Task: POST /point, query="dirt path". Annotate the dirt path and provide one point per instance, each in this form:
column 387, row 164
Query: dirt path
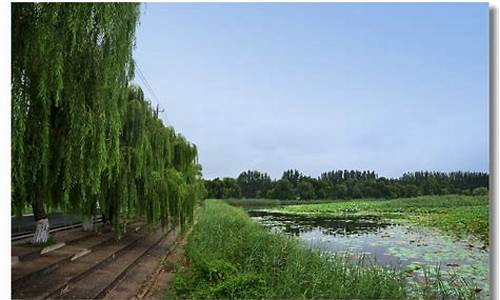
column 157, row 286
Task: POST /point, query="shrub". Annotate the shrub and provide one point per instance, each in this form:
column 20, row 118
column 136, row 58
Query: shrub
column 480, row 191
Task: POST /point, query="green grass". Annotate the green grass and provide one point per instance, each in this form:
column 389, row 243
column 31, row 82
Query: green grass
column 233, row 257
column 458, row 214
column 269, row 202
column 253, row 202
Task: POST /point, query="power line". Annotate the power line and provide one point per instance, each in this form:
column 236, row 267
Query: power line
column 146, row 82
column 148, row 86
column 151, row 91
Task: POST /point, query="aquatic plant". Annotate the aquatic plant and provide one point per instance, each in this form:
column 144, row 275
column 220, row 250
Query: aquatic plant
column 457, row 214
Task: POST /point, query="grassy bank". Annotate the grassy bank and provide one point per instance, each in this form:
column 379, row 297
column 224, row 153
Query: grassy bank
column 270, row 202
column 232, row 256
column 453, row 213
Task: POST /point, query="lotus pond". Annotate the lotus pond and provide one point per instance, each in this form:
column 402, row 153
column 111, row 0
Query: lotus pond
column 419, row 251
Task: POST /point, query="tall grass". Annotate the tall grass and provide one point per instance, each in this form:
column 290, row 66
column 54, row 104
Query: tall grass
column 233, row 257
column 270, row 202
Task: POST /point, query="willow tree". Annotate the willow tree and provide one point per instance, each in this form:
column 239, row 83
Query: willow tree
column 121, row 188
column 71, row 64
column 159, row 173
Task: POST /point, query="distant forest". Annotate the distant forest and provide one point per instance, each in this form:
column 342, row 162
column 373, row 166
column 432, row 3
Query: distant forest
column 346, row 184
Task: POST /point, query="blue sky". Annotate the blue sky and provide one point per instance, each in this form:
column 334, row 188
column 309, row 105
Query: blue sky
column 317, row 87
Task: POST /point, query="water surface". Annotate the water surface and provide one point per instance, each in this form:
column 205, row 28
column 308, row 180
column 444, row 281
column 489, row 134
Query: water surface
column 394, row 244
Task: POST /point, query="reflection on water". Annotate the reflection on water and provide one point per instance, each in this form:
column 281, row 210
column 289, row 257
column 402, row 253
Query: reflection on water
column 396, row 245
column 297, row 225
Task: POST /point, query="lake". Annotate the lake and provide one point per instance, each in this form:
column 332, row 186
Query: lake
column 393, row 244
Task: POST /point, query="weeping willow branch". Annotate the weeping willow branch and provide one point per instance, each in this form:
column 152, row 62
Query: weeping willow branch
column 81, row 136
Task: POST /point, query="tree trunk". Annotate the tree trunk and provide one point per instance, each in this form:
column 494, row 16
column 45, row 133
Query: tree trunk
column 42, row 222
column 88, row 223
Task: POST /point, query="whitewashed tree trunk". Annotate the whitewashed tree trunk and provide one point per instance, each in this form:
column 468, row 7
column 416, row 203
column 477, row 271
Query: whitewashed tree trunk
column 42, row 232
column 88, row 223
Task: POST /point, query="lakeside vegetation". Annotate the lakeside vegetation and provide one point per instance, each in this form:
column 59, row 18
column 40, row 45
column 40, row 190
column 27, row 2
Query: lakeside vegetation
column 230, row 256
column 269, row 202
column 234, row 257
column 458, row 214
column 87, row 141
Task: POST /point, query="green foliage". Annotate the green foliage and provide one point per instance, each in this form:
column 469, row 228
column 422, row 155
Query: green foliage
column 283, row 190
column 233, row 257
column 82, row 137
column 306, row 190
column 253, row 182
column 293, row 176
column 70, row 66
column 159, row 177
column 224, row 189
column 349, row 184
column 480, row 191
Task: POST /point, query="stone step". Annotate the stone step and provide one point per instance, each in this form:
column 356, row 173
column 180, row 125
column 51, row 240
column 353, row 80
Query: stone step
column 44, row 264
column 26, row 251
column 41, row 287
column 130, row 285
column 96, row 284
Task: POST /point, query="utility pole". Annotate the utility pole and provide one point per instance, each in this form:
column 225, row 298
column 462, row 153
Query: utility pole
column 157, row 110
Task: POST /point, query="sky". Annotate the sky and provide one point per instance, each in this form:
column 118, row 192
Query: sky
column 316, row 87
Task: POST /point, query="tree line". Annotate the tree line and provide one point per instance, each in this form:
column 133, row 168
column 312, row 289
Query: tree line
column 346, row 184
column 83, row 137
